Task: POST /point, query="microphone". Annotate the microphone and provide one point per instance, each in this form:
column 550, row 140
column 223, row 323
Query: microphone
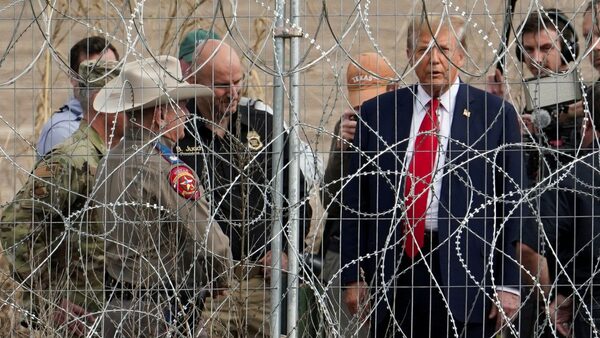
column 541, row 118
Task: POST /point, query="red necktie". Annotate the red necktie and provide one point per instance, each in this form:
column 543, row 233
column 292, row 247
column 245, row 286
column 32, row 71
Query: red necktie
column 418, row 179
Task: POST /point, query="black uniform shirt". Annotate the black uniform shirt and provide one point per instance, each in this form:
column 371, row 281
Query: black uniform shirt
column 236, row 171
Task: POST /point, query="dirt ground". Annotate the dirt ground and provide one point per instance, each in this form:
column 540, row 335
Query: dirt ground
column 36, row 41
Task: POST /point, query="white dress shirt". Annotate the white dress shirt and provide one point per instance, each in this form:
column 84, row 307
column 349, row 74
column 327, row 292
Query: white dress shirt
column 445, row 109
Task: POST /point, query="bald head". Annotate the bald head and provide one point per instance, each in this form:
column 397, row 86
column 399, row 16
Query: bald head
column 213, row 56
column 218, row 67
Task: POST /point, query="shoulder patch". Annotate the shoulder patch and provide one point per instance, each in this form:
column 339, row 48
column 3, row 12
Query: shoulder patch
column 46, row 170
column 182, row 179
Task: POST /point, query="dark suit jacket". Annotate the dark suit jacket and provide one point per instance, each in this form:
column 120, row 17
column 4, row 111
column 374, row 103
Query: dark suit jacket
column 470, row 224
column 570, row 213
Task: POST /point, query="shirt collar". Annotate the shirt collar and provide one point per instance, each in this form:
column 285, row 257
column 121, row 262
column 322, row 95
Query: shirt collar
column 93, row 136
column 141, row 134
column 75, row 106
column 447, row 99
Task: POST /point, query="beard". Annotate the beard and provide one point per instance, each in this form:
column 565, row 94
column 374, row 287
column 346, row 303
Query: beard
column 218, row 108
column 225, row 106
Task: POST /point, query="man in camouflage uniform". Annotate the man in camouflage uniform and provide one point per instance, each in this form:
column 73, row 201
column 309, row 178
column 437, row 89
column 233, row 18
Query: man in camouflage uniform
column 48, row 229
column 64, row 122
column 162, row 246
column 11, row 300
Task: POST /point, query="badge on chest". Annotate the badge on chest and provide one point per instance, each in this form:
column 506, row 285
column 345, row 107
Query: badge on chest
column 254, row 142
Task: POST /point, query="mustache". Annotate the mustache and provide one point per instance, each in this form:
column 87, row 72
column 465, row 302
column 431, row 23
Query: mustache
column 227, row 102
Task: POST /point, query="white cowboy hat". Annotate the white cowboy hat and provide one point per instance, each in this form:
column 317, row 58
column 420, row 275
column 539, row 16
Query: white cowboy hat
column 146, row 83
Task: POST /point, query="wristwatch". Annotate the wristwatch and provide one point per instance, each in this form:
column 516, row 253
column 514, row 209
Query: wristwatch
column 563, row 109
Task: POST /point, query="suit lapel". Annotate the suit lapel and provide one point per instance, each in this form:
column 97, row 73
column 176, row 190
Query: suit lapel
column 459, row 136
column 398, row 132
column 404, row 114
column 459, row 131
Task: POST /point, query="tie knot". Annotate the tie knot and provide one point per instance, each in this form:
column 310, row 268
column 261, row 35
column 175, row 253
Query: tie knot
column 434, row 104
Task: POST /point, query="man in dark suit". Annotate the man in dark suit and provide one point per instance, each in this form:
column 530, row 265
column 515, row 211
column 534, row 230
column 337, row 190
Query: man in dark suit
column 434, row 202
column 570, row 214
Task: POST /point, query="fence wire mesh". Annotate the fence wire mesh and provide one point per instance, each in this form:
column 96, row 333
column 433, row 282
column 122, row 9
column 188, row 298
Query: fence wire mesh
column 304, row 169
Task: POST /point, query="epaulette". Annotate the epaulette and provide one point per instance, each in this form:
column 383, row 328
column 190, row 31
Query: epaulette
column 63, row 109
column 67, row 109
column 167, row 154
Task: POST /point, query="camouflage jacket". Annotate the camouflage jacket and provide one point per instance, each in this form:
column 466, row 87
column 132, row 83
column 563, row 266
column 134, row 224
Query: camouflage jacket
column 11, row 303
column 49, row 230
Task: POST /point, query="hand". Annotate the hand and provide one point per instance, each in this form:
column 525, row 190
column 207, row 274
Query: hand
column 528, row 126
column 536, row 264
column 510, row 303
column 560, row 314
column 573, row 111
column 75, row 316
column 267, row 262
column 356, row 298
column 495, row 83
column 347, row 129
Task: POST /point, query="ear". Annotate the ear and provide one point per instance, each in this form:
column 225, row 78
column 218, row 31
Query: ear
column 409, row 55
column 459, row 59
column 159, row 116
column 185, row 69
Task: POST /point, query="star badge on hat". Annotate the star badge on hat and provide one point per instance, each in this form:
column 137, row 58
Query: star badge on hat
column 254, row 142
column 182, row 179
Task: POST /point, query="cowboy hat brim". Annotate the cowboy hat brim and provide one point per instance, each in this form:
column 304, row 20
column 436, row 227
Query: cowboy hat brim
column 116, row 97
column 145, row 83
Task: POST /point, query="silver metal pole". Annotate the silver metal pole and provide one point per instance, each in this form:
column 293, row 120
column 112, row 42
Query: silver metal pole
column 276, row 164
column 294, row 250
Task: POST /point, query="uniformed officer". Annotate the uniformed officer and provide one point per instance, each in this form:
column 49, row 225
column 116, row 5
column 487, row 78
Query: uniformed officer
column 369, row 77
column 11, row 300
column 64, row 122
column 229, row 145
column 163, row 246
column 49, row 231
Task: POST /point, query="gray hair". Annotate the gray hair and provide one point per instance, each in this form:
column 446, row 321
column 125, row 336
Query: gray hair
column 590, row 5
column 456, row 25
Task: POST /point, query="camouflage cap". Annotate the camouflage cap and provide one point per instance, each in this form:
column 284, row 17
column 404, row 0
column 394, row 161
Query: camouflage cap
column 191, row 40
column 97, row 73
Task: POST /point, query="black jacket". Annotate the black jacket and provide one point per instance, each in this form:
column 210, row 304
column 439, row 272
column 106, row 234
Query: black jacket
column 570, row 213
column 236, row 173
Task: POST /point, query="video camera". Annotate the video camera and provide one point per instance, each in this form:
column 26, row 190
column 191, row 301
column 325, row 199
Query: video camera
column 547, row 100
